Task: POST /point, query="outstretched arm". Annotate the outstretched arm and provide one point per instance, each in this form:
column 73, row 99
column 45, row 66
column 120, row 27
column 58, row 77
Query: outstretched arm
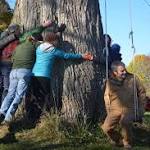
column 39, row 29
column 62, row 54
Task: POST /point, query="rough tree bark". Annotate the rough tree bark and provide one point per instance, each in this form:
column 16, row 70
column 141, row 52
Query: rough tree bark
column 78, row 85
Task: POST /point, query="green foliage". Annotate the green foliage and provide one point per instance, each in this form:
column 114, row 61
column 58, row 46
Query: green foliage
column 3, row 26
column 5, row 19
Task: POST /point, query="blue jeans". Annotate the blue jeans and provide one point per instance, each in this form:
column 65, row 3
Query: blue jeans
column 4, row 77
column 19, row 79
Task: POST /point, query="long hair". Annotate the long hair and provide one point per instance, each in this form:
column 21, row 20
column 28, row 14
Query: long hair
column 108, row 39
column 50, row 37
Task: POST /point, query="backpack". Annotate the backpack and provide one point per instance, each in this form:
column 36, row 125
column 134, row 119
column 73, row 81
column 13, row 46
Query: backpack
column 115, row 53
column 4, row 41
column 9, row 49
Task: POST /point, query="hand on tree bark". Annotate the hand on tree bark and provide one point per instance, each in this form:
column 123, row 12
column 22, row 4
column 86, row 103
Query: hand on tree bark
column 62, row 28
column 87, row 56
column 47, row 23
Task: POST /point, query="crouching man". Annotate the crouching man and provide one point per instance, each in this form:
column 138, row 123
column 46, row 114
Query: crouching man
column 121, row 104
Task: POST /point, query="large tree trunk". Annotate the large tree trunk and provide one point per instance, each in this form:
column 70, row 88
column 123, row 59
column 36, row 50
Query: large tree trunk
column 78, row 85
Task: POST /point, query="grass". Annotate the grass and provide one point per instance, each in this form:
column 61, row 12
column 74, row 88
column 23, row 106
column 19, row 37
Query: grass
column 51, row 133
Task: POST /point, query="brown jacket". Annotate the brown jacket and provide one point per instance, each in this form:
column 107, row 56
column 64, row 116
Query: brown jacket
column 119, row 96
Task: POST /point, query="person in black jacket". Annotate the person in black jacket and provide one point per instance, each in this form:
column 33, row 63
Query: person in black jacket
column 113, row 52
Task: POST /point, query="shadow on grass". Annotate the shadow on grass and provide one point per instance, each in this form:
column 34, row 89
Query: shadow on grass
column 8, row 139
column 55, row 146
column 13, row 128
column 20, row 124
column 75, row 146
column 26, row 145
column 141, row 135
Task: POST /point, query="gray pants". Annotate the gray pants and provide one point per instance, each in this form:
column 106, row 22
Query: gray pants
column 5, row 68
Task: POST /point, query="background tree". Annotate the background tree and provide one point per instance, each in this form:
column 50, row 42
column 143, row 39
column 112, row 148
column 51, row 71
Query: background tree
column 140, row 66
column 4, row 7
column 77, row 85
column 5, row 15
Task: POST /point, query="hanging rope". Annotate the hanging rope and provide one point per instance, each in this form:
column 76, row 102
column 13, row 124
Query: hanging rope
column 131, row 36
column 106, row 43
column 148, row 4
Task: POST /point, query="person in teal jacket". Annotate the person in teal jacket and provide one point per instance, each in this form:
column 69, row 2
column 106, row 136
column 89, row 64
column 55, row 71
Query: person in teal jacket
column 46, row 55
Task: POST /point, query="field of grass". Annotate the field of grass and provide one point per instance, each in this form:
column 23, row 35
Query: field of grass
column 52, row 134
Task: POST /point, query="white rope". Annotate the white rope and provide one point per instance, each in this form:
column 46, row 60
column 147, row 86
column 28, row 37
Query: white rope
column 106, row 43
column 148, row 4
column 136, row 111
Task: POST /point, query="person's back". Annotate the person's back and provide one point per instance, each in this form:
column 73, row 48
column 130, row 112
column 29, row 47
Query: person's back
column 8, row 51
column 44, row 60
column 110, row 52
column 115, row 53
column 24, row 55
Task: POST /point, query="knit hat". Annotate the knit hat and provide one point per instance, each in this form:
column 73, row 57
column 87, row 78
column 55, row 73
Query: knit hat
column 116, row 47
column 13, row 28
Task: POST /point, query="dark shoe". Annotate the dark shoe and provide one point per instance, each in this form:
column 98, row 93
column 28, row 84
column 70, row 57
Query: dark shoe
column 128, row 146
column 2, row 117
column 118, row 144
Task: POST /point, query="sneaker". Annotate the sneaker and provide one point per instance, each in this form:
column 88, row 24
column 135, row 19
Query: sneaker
column 2, row 117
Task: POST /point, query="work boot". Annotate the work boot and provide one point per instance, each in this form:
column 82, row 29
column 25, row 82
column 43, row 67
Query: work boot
column 115, row 143
column 126, row 144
